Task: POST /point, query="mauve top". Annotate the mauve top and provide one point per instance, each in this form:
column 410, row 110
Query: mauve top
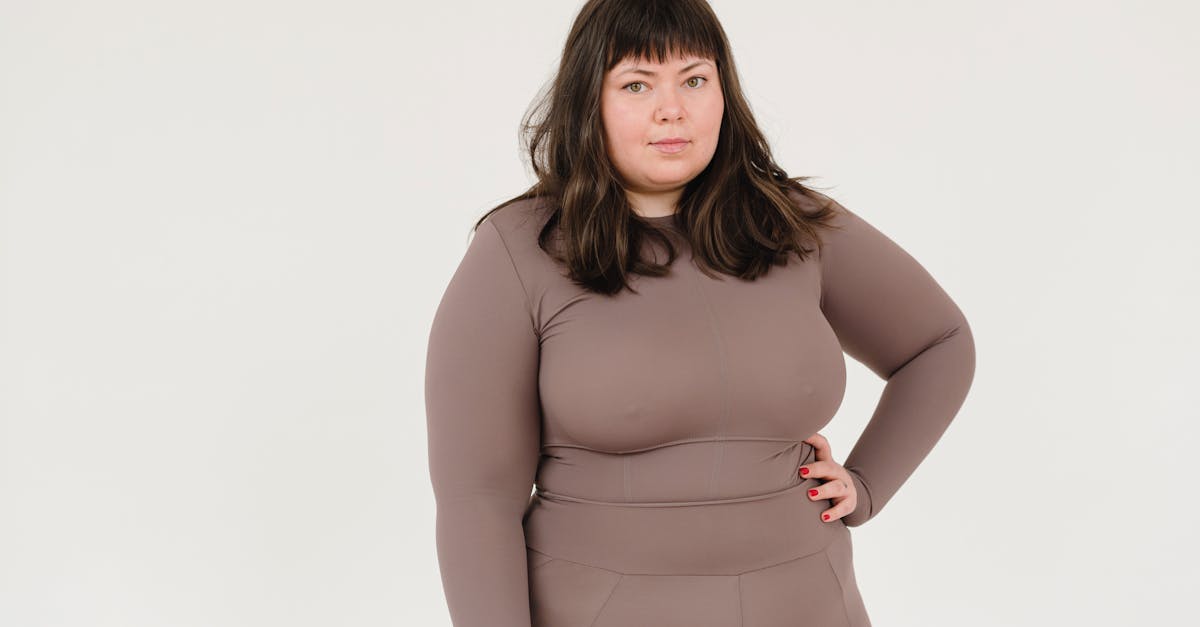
column 533, row 379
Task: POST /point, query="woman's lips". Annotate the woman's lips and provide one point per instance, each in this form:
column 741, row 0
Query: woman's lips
column 670, row 147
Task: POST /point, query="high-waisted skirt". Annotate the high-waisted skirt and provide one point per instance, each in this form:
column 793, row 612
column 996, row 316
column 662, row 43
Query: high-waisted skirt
column 761, row 561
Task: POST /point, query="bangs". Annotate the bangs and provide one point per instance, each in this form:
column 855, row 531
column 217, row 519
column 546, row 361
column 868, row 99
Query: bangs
column 657, row 31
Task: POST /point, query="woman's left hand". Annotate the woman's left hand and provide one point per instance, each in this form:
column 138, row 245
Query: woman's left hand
column 840, row 486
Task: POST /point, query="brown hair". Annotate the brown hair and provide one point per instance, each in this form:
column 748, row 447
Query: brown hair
column 738, row 213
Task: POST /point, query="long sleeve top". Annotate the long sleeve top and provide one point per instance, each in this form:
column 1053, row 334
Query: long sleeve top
column 532, row 380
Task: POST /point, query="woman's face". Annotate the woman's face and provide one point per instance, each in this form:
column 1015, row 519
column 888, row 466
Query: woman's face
column 644, row 103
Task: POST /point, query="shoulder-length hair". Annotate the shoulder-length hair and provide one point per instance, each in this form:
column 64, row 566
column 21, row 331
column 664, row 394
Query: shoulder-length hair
column 738, row 214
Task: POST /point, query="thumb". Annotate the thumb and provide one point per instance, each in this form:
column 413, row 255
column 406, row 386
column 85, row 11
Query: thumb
column 821, row 445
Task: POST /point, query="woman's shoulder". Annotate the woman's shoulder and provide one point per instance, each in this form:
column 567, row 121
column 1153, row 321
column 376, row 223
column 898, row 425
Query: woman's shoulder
column 519, row 224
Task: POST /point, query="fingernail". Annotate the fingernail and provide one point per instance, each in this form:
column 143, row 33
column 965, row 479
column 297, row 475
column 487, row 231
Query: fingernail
column 812, row 492
column 825, row 516
column 803, row 470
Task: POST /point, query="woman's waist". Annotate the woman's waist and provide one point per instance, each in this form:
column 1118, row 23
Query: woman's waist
column 722, row 536
column 695, row 470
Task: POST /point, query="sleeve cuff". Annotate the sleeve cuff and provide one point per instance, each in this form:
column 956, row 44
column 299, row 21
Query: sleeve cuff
column 862, row 512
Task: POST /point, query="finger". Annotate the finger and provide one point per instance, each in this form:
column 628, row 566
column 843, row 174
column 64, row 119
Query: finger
column 843, row 495
column 834, row 513
column 833, row 489
column 818, row 469
column 843, row 503
column 821, row 444
column 840, row 508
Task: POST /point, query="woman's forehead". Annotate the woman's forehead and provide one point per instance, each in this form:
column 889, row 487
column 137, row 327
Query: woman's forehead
column 630, row 62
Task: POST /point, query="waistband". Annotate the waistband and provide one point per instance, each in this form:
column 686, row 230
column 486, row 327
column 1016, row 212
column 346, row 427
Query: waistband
column 727, row 536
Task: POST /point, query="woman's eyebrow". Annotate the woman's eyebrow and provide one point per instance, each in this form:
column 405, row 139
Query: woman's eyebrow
column 649, row 73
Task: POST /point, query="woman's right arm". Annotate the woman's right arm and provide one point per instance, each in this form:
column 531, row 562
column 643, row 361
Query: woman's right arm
column 483, row 422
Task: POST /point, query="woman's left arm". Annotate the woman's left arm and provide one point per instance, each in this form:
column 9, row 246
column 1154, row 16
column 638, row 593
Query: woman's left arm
column 894, row 318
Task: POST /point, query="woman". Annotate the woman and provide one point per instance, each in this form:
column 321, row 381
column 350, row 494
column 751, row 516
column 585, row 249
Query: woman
column 653, row 334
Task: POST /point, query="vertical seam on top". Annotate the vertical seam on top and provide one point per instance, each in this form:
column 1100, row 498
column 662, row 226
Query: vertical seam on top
column 628, row 490
column 720, row 437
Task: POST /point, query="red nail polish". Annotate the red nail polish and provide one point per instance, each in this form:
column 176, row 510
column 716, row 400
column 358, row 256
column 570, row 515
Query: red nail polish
column 804, row 471
column 825, row 516
column 812, row 492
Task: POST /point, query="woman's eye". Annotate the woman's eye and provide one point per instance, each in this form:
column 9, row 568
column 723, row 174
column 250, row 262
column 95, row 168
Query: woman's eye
column 638, row 91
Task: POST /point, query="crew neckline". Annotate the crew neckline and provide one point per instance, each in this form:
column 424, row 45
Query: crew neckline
column 667, row 219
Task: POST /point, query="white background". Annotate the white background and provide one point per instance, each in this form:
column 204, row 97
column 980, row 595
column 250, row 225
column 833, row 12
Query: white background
column 225, row 227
